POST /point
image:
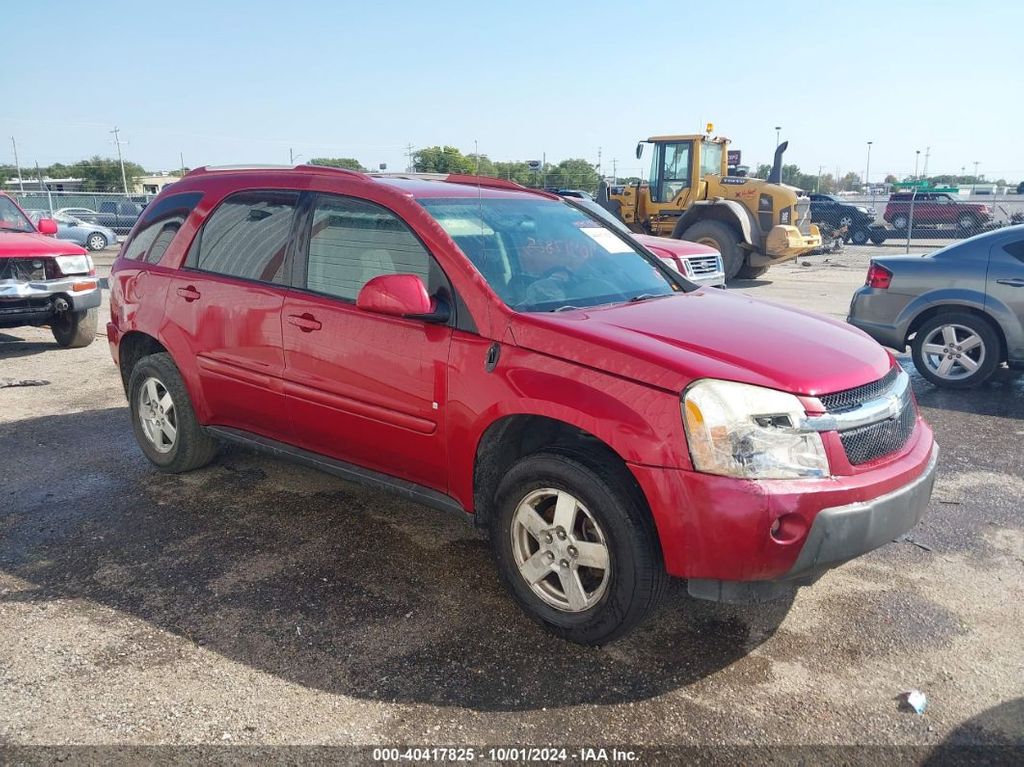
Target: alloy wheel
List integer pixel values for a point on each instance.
(560, 550)
(97, 242)
(953, 352)
(157, 415)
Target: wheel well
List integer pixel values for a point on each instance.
(132, 348)
(934, 311)
(719, 213)
(513, 437)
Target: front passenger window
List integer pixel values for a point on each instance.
(353, 241)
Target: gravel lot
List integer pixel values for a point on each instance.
(257, 603)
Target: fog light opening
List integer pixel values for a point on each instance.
(788, 528)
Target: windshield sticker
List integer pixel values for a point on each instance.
(606, 239)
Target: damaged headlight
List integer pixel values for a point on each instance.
(69, 265)
(739, 430)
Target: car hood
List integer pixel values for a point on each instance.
(666, 246)
(19, 245)
(708, 333)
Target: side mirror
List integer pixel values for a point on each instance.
(47, 226)
(400, 295)
(639, 150)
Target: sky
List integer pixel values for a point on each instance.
(221, 81)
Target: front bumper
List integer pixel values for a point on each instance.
(35, 303)
(785, 242)
(717, 531)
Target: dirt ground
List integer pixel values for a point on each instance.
(256, 603)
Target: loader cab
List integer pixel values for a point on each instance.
(679, 165)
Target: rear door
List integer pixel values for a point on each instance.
(361, 387)
(1005, 292)
(225, 305)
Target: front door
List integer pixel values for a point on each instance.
(361, 387)
(226, 306)
(1005, 288)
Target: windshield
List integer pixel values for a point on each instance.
(12, 219)
(711, 159)
(594, 208)
(540, 255)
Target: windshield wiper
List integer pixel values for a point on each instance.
(566, 308)
(645, 297)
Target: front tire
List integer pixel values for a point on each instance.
(748, 272)
(163, 418)
(967, 223)
(722, 238)
(74, 330)
(957, 350)
(900, 222)
(860, 236)
(96, 241)
(577, 549)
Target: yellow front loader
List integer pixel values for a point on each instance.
(689, 195)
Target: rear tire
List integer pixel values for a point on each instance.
(721, 237)
(163, 418)
(878, 237)
(748, 272)
(900, 222)
(860, 236)
(74, 330)
(967, 223)
(602, 521)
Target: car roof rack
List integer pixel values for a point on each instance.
(271, 166)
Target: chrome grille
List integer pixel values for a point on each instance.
(879, 439)
(864, 442)
(847, 399)
(701, 266)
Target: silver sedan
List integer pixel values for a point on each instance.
(91, 236)
(961, 308)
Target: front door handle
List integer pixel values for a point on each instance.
(1016, 282)
(307, 323)
(190, 294)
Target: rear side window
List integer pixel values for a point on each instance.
(1015, 249)
(352, 242)
(159, 226)
(247, 236)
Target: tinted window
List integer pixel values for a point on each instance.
(247, 236)
(159, 226)
(1015, 249)
(353, 241)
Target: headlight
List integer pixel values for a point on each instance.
(74, 264)
(863, 209)
(739, 430)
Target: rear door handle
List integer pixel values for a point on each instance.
(1016, 282)
(190, 294)
(307, 323)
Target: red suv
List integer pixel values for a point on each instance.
(931, 208)
(491, 350)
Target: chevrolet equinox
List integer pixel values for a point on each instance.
(484, 348)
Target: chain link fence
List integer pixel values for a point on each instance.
(51, 202)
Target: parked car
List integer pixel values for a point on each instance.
(961, 309)
(477, 346)
(835, 213)
(933, 208)
(698, 263)
(73, 212)
(45, 281)
(117, 215)
(91, 236)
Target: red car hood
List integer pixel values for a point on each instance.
(23, 245)
(667, 247)
(709, 333)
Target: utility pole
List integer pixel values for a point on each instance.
(615, 171)
(817, 185)
(476, 156)
(292, 157)
(181, 156)
(42, 186)
(120, 159)
(917, 158)
(974, 185)
(867, 168)
(927, 153)
(778, 131)
(408, 159)
(21, 181)
(599, 161)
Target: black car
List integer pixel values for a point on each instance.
(835, 213)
